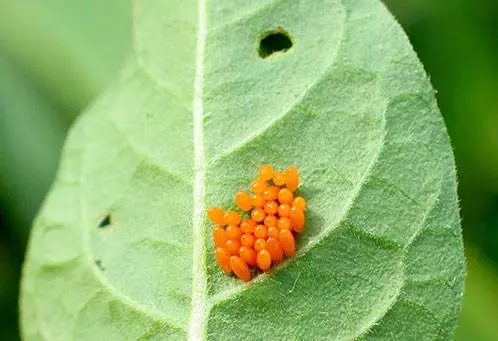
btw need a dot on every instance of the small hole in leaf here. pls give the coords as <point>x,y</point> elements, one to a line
<point>277,40</point>
<point>105,221</point>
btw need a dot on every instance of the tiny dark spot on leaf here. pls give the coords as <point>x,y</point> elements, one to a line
<point>98,262</point>
<point>277,40</point>
<point>104,221</point>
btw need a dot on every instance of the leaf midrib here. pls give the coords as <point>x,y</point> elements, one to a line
<point>197,323</point>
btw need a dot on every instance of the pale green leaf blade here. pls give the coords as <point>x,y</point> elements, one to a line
<point>196,111</point>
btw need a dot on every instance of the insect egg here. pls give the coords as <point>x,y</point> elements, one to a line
<point>271,207</point>
<point>215,214</point>
<point>275,250</point>
<point>284,223</point>
<point>240,268</point>
<point>233,246</point>
<point>283,210</point>
<point>297,219</point>
<point>271,193</point>
<point>248,254</point>
<point>258,200</point>
<point>266,172</point>
<point>272,231</point>
<point>247,226</point>
<point>247,239</point>
<point>259,244</point>
<point>231,218</point>
<point>285,196</point>
<point>279,178</point>
<point>292,178</point>
<point>287,242</point>
<point>299,202</point>
<point>223,258</point>
<point>243,200</point>
<point>263,259</point>
<point>260,231</point>
<point>270,220</point>
<point>233,232</point>
<point>258,215</point>
<point>219,236</point>
<point>258,186</point>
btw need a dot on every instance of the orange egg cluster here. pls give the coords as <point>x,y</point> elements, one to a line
<point>266,235</point>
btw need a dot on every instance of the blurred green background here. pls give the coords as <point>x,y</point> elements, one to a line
<point>57,55</point>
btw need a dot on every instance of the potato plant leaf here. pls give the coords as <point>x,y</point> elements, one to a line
<point>122,250</point>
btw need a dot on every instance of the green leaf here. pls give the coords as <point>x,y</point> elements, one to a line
<point>196,111</point>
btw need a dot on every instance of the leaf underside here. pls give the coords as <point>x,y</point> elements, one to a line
<point>121,249</point>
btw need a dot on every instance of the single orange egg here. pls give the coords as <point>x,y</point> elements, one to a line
<point>297,219</point>
<point>271,207</point>
<point>231,218</point>
<point>270,220</point>
<point>284,223</point>
<point>219,236</point>
<point>260,231</point>
<point>216,214</point>
<point>275,250</point>
<point>284,210</point>
<point>292,178</point>
<point>248,254</point>
<point>272,231</point>
<point>258,186</point>
<point>279,178</point>
<point>263,259</point>
<point>233,232</point>
<point>258,200</point>
<point>285,196</point>
<point>299,202</point>
<point>248,225</point>
<point>240,268</point>
<point>287,242</point>
<point>258,215</point>
<point>271,193</point>
<point>223,258</point>
<point>233,246</point>
<point>266,172</point>
<point>247,239</point>
<point>259,244</point>
<point>243,200</point>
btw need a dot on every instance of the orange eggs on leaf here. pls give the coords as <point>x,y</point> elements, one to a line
<point>261,232</point>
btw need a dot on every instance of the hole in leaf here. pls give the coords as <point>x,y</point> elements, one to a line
<point>277,40</point>
<point>104,221</point>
